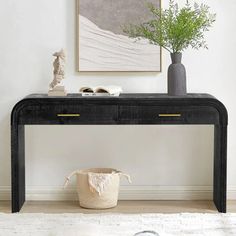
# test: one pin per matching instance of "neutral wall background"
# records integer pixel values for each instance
(170, 158)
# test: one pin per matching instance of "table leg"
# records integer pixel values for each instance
(18, 166)
(220, 167)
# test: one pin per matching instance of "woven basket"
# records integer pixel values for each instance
(98, 188)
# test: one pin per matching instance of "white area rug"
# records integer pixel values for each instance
(117, 224)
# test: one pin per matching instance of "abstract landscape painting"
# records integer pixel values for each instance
(102, 44)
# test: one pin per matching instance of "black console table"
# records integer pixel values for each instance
(39, 109)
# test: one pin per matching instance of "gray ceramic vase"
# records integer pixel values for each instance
(176, 76)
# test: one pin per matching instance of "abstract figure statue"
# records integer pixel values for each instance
(59, 74)
(59, 68)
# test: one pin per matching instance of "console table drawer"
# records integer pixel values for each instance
(69, 114)
(169, 114)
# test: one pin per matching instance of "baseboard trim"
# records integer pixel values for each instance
(5, 193)
(41, 193)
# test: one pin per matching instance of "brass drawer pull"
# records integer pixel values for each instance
(68, 115)
(170, 115)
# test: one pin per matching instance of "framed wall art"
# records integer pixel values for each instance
(101, 43)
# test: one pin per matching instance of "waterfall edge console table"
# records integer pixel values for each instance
(127, 109)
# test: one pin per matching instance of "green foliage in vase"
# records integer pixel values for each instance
(175, 28)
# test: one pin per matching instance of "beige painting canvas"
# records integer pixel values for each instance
(102, 44)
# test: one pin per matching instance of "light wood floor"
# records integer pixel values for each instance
(123, 207)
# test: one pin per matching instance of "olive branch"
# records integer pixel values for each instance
(175, 28)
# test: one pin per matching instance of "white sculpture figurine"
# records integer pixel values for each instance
(59, 74)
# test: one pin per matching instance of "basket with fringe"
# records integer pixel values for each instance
(98, 188)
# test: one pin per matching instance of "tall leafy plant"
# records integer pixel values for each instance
(175, 28)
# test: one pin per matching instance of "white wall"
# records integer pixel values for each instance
(32, 30)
